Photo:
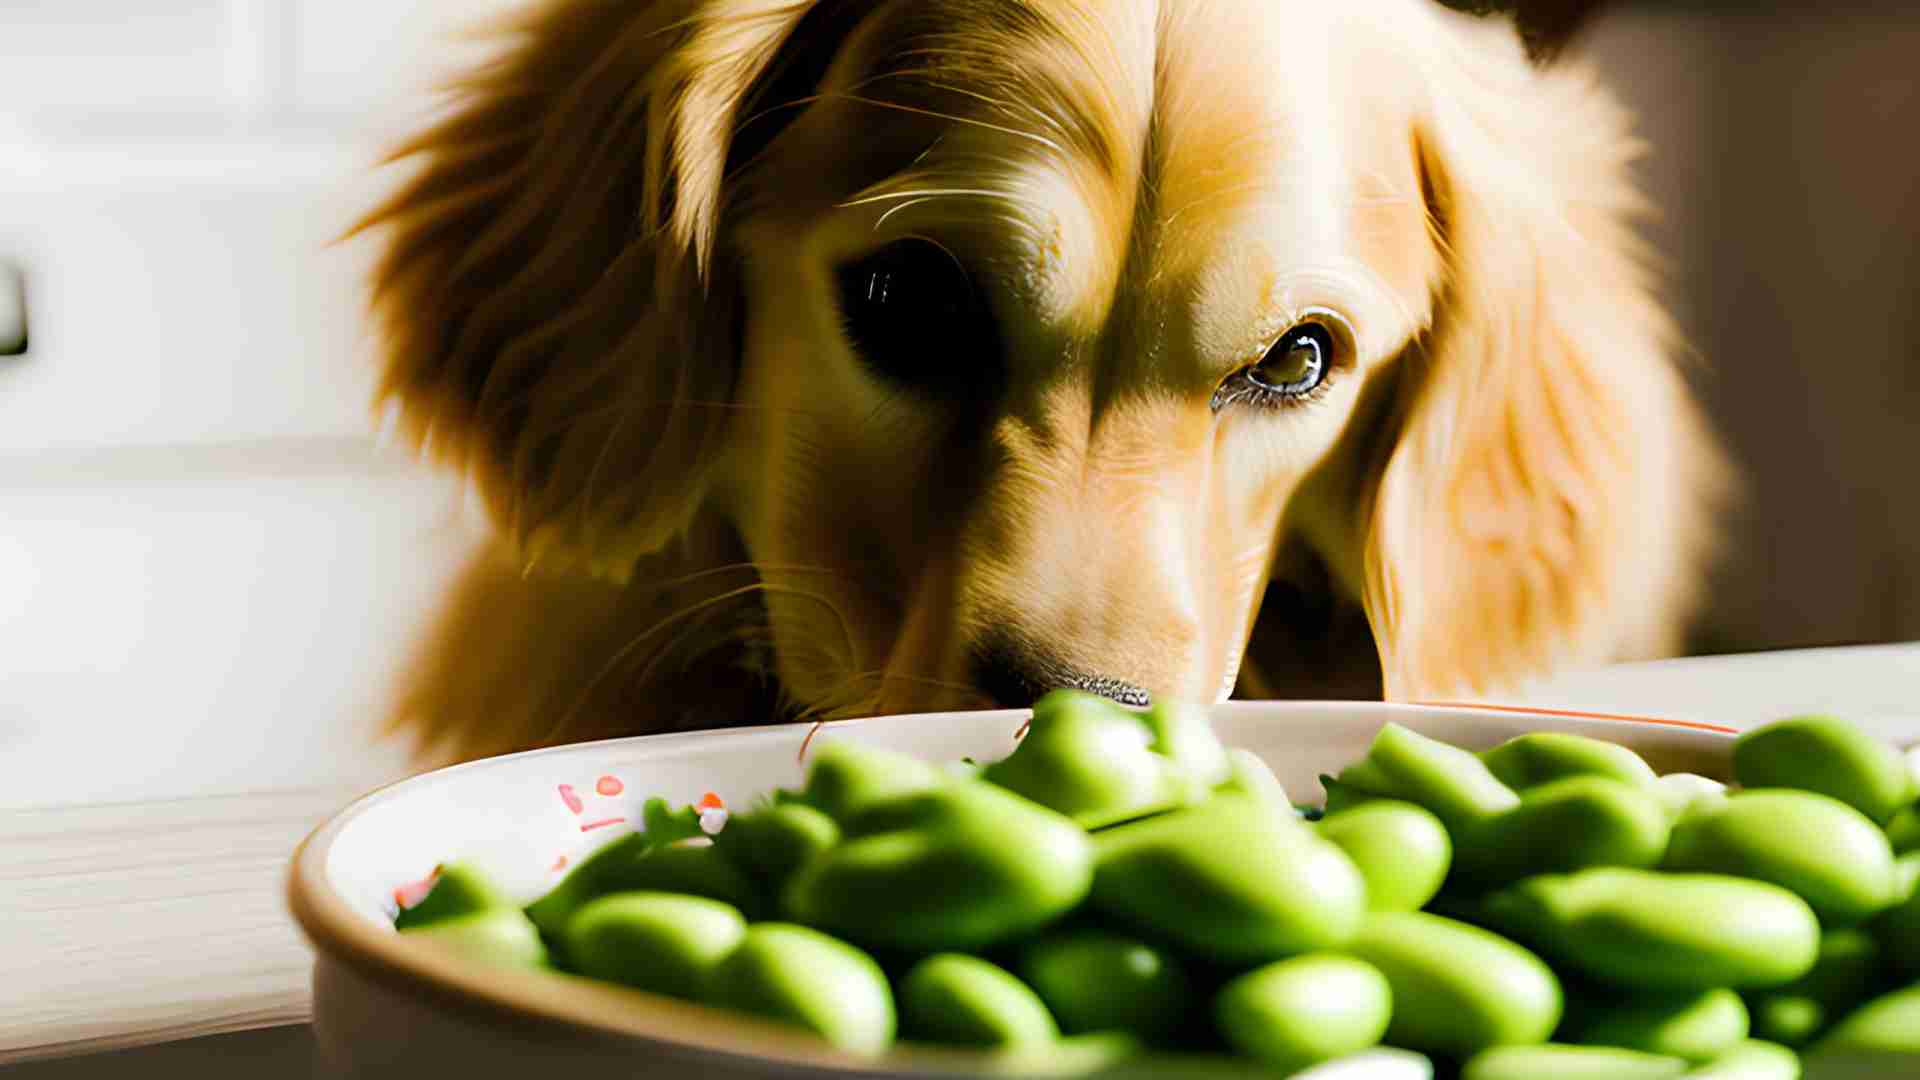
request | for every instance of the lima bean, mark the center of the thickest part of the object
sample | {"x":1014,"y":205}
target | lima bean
{"x":1072,"y":1055}
{"x":1231,"y":880}
{"x":1754,"y":1059}
{"x":848,"y":777}
{"x":1687,"y":793}
{"x":666,"y":943}
{"x":1819,"y":847}
{"x":1248,"y":774}
{"x":458,"y":889}
{"x":1096,"y":980}
{"x":962,"y":1000}
{"x":1303,"y":1011}
{"x":1561,"y":1061}
{"x":1898,"y":928}
{"x":1538,"y":757}
{"x":1884,"y":1031}
{"x":1089,"y":760}
{"x":1828,"y":755}
{"x":801,"y":976}
{"x":1378,"y":1063}
{"x":1342,"y":795}
{"x":1457,"y":989}
{"x":960,"y":867}
{"x":501,"y":937}
{"x":1183,"y":734}
{"x":1565,"y":825}
{"x":1453,"y":783}
{"x":1906,"y":875}
{"x":775,"y":840}
{"x":1401,"y":850}
{"x":1844,"y":974}
{"x":630,"y":864}
{"x":1694,"y":1025}
{"x":1643,"y":930}
{"x":1787,"y":1019}
{"x":1367,"y":775}
{"x":1903,"y":832}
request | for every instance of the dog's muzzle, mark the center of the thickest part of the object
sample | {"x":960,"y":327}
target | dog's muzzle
{"x":1016,"y":674}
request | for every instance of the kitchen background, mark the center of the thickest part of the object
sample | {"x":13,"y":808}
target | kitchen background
{"x":210,"y":559}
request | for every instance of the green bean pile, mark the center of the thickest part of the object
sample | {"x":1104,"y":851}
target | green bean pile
{"x":1123,"y":885}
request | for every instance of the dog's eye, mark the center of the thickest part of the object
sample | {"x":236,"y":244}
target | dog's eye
{"x":1297,"y":363}
{"x":916,"y":320}
{"x":1292,"y":369}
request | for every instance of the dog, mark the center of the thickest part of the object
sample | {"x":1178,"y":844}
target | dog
{"x":823,"y":358}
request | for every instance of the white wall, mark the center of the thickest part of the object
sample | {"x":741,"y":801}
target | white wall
{"x":349,"y":60}
{"x":207,"y":563}
{"x":172,"y":173}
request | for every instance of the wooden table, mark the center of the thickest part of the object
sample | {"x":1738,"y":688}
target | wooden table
{"x":140,"y":924}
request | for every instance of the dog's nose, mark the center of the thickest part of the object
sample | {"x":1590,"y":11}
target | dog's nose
{"x":1016,"y":675}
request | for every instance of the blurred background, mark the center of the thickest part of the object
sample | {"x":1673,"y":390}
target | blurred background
{"x":209,"y":559}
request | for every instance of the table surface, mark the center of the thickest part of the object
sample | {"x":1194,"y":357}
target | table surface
{"x":149,"y":922}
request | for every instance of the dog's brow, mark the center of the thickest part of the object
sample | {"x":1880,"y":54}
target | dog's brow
{"x":967,"y":55}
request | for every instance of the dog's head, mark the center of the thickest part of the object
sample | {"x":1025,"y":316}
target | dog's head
{"x":1027,"y":343}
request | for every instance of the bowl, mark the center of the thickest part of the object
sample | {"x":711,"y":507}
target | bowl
{"x":384,"y":1003}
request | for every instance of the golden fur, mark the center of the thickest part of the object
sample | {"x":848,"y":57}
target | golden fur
{"x":607,"y":294}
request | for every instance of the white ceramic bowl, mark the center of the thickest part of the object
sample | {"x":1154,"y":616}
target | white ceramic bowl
{"x":384,"y":1003}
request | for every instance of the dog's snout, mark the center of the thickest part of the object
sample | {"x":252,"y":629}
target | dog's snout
{"x":1016,"y":675}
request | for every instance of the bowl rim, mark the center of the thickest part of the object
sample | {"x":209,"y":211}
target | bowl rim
{"x":669,"y":1026}
{"x":1574,"y":714}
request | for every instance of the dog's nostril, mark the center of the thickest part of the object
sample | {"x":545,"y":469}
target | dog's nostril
{"x":1001,"y":678}
{"x":1123,"y":692}
{"x":1016,"y":678}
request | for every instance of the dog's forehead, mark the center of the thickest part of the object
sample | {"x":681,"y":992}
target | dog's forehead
{"x":1283,"y":170}
{"x":1230,"y":162}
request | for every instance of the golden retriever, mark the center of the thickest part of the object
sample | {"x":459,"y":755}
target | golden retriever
{"x":820,"y":358}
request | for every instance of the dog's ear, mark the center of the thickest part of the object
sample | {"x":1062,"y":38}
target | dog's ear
{"x":1545,"y":500}
{"x":558,"y":308}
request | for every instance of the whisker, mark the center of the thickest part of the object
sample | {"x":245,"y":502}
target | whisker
{"x":801,"y":757}
{"x":951,"y":117}
{"x":1003,"y":106}
{"x":626,"y":411}
{"x":827,"y":704}
{"x":1167,"y":220}
{"x":822,"y":709}
{"x":922,"y":194}
{"x":839,"y":619}
{"x":625,"y":651}
{"x":1274,"y":196}
{"x":606,"y":447}
{"x":945,"y":684}
{"x":802,"y":102}
{"x":662,"y":654}
{"x":501,"y":403}
{"x":757,"y":567}
{"x":882,"y":219}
